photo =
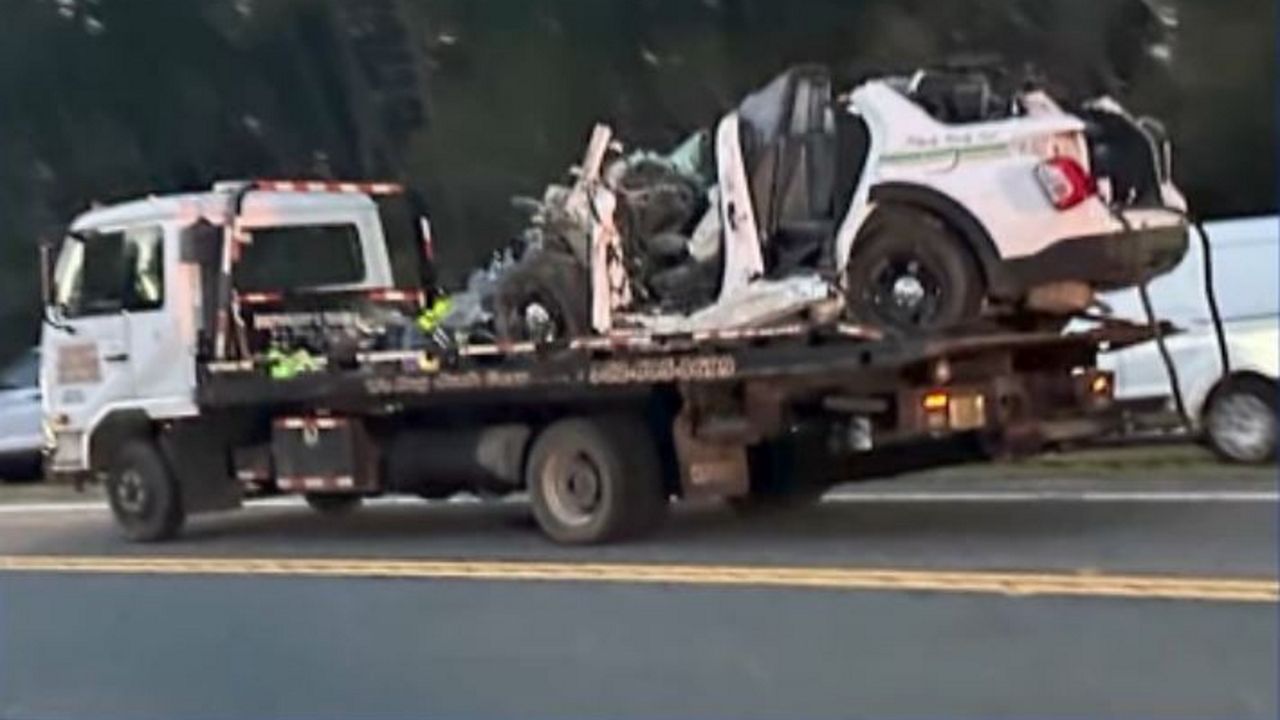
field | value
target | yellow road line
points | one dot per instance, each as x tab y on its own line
1241	590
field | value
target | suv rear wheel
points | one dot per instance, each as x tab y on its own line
912	274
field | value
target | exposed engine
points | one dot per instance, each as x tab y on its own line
669	223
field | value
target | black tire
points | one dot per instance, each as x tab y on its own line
791	473
912	274
595	480
552	281
144	495
334	505
1241	419
439	493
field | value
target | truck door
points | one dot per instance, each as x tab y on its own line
158	323
105	334
86	345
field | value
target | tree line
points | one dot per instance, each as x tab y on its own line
474	101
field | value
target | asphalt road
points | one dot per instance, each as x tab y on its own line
970	597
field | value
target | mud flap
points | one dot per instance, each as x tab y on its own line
199	459
709	470
324	454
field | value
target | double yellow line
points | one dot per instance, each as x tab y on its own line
1238	590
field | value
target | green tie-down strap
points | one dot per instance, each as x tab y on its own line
434	314
287	365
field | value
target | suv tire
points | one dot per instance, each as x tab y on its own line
911	274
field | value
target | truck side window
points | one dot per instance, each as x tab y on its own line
301	257
144	263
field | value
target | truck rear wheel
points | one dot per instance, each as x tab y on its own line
786	474
144	495
595	480
758	504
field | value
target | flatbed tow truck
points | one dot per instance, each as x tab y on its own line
165	390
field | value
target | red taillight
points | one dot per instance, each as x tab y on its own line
1066	182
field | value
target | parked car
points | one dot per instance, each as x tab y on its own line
1236	410
21	439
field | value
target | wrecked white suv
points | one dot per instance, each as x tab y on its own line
912	204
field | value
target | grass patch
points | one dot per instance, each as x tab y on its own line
1154	461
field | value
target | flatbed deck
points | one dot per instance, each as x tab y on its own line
598	367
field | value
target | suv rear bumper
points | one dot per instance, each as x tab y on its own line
1108	262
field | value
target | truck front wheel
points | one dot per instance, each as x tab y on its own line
144	494
595	480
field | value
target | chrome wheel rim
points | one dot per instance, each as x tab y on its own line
540	323
906	293
573	487
131	492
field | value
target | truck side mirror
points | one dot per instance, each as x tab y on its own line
51	314
46	273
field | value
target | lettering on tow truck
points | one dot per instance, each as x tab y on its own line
470	380
411	385
481	379
618	372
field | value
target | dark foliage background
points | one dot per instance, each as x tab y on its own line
476	100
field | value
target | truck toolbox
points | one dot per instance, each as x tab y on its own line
323	454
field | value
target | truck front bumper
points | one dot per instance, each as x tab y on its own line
1110	261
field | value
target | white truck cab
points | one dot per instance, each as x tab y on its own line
128	303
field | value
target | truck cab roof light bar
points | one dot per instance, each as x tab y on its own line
311	186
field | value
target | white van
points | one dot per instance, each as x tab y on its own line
1237	410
